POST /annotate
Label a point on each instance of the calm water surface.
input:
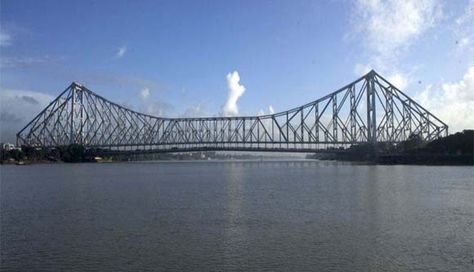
(236, 216)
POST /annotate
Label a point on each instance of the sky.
(228, 58)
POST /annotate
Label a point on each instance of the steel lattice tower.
(368, 110)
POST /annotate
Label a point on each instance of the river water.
(236, 216)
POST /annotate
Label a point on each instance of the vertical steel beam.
(334, 117)
(71, 136)
(353, 113)
(371, 121)
(389, 115)
(316, 121)
(301, 124)
(82, 118)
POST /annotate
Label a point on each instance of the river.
(236, 216)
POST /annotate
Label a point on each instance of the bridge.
(369, 110)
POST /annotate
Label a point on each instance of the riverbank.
(184, 156)
(426, 159)
(399, 159)
(455, 149)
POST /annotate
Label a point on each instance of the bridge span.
(368, 110)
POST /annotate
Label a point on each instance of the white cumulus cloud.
(452, 102)
(271, 110)
(121, 51)
(144, 93)
(387, 30)
(235, 91)
(193, 111)
(390, 26)
(262, 112)
(398, 80)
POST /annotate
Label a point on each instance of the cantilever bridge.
(368, 110)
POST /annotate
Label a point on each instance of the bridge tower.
(345, 117)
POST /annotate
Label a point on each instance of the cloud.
(361, 69)
(17, 108)
(29, 99)
(121, 51)
(464, 89)
(464, 28)
(262, 112)
(235, 91)
(158, 108)
(271, 110)
(398, 80)
(468, 15)
(193, 111)
(453, 102)
(5, 39)
(144, 93)
(6, 117)
(25, 61)
(389, 27)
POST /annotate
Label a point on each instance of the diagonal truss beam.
(368, 110)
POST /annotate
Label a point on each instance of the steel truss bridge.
(368, 110)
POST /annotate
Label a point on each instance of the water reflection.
(235, 239)
(236, 216)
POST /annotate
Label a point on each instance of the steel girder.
(368, 110)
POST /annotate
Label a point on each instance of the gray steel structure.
(368, 110)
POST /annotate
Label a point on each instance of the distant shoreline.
(455, 149)
(384, 160)
(391, 159)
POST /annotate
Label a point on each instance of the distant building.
(9, 146)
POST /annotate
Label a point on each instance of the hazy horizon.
(222, 58)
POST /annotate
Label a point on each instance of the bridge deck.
(368, 110)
